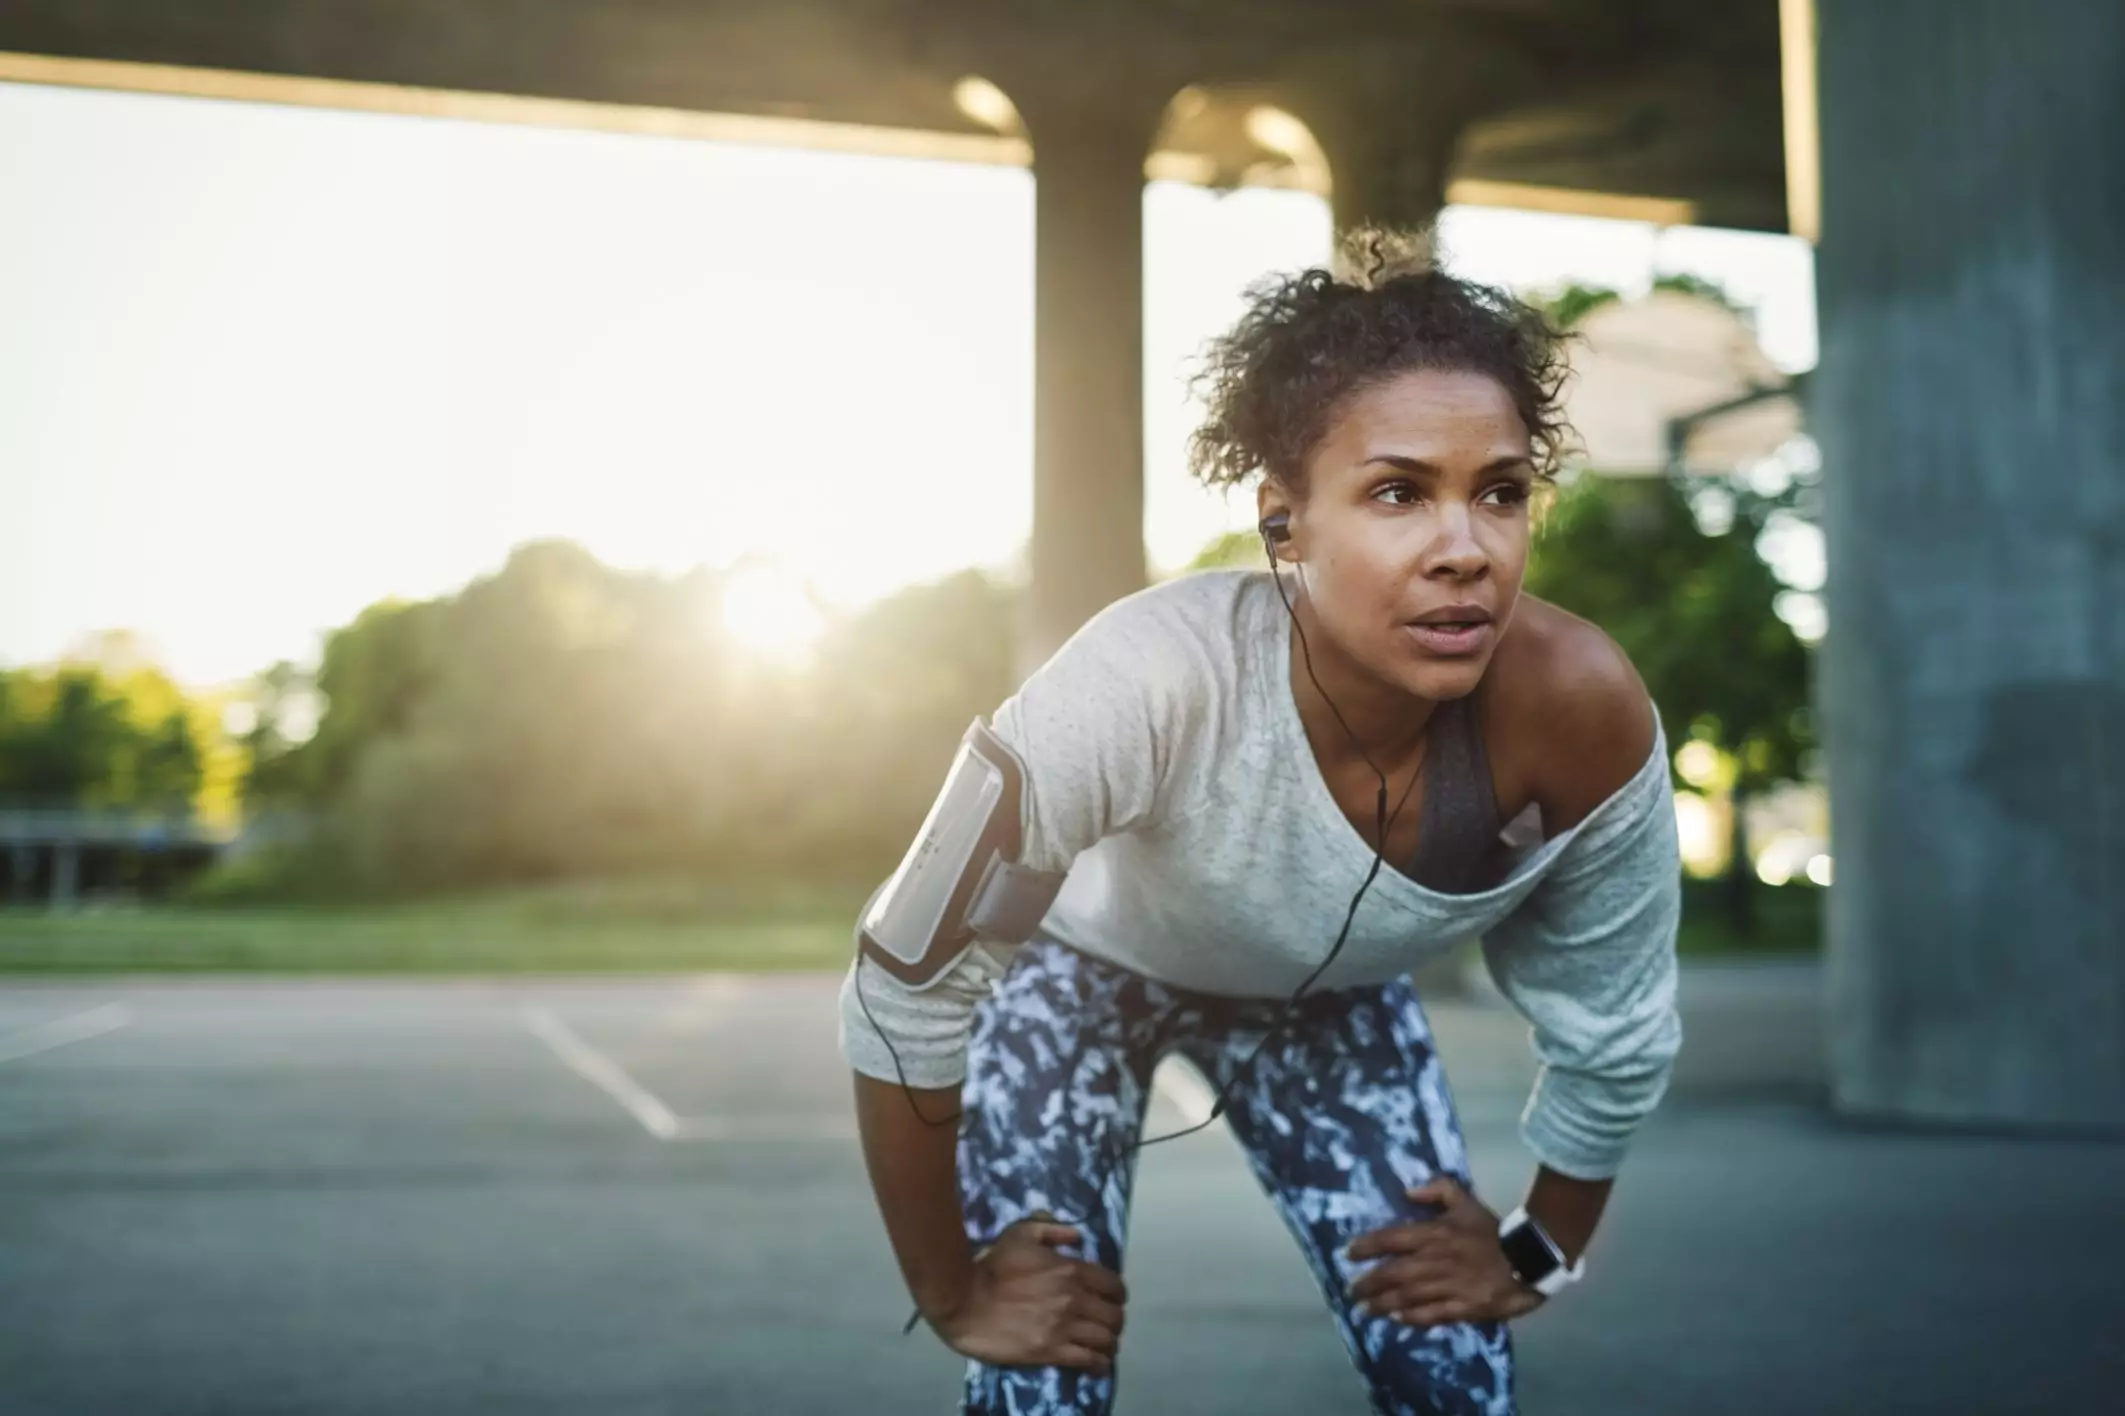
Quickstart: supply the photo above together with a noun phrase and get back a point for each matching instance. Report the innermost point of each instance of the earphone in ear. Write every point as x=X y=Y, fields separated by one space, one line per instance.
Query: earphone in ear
x=1276 y=530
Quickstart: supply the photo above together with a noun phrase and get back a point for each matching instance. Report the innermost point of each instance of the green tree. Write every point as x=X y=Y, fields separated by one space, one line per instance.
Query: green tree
x=374 y=676
x=169 y=766
x=77 y=735
x=75 y=749
x=271 y=771
x=562 y=718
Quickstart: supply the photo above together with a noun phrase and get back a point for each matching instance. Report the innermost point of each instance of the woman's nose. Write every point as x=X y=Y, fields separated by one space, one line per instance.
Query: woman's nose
x=1454 y=548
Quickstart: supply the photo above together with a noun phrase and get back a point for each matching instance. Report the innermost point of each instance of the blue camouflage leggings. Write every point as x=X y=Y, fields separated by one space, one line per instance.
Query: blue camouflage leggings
x=1343 y=1112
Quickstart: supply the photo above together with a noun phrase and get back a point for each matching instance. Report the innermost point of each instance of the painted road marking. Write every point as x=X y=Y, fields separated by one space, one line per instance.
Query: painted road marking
x=601 y=1072
x=658 y=1119
x=75 y=1027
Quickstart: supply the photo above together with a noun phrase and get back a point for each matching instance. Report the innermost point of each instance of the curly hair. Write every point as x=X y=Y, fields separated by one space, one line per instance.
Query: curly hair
x=1309 y=341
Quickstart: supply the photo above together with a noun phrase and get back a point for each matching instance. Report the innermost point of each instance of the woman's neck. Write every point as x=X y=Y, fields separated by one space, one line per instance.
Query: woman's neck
x=1389 y=722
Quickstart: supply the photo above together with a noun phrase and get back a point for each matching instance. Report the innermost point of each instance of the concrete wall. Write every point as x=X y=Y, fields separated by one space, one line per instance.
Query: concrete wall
x=1971 y=411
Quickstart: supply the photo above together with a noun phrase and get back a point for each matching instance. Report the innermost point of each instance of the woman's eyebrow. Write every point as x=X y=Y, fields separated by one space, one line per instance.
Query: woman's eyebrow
x=1418 y=467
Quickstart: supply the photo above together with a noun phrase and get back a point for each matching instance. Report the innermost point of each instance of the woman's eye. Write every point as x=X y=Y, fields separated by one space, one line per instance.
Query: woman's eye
x=1507 y=494
x=1396 y=494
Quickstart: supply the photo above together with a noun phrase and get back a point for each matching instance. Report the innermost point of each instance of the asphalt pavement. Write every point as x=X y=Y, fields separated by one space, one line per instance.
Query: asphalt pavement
x=643 y=1195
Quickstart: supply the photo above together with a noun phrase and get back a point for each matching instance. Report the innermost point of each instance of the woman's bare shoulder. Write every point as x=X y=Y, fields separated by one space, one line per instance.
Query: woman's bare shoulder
x=1566 y=709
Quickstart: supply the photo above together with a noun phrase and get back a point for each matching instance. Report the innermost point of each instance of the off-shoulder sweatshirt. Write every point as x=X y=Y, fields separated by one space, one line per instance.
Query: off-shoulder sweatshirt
x=1168 y=772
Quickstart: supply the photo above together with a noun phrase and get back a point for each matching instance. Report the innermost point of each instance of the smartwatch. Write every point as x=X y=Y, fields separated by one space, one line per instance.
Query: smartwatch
x=1535 y=1258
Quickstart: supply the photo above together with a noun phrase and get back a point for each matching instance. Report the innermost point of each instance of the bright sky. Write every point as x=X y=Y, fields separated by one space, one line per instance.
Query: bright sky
x=261 y=366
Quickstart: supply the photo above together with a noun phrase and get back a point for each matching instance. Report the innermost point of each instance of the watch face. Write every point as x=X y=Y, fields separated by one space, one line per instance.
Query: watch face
x=1529 y=1253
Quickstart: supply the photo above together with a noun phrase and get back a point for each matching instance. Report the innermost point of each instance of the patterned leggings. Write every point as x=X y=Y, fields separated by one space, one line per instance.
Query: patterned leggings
x=1342 y=1113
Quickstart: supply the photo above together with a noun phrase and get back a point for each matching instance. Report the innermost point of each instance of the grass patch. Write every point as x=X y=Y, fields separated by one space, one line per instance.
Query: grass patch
x=626 y=926
x=652 y=926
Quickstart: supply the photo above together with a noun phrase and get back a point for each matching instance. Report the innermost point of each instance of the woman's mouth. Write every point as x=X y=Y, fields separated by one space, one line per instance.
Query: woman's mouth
x=1455 y=632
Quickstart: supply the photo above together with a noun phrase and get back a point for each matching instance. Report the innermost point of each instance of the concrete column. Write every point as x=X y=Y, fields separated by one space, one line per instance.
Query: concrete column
x=1088 y=403
x=22 y=868
x=1969 y=408
x=1389 y=176
x=1390 y=119
x=66 y=875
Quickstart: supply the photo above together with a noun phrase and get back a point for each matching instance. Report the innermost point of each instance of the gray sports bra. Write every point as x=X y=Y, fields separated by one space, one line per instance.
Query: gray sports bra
x=1458 y=851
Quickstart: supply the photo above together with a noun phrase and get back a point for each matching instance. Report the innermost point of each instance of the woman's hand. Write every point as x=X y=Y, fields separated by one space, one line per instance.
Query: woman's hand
x=1029 y=1306
x=1444 y=1270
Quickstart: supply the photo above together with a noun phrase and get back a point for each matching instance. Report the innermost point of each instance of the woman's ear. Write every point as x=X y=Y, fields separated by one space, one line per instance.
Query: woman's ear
x=1273 y=520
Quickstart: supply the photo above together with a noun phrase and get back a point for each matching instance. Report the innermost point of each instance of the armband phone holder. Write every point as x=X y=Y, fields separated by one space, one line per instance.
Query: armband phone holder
x=960 y=881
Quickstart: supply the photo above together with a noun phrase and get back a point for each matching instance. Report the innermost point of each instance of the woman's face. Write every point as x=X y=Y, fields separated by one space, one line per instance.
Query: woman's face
x=1413 y=528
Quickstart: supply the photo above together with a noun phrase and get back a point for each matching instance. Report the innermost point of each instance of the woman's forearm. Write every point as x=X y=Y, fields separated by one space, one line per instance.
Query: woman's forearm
x=914 y=1173
x=1567 y=1209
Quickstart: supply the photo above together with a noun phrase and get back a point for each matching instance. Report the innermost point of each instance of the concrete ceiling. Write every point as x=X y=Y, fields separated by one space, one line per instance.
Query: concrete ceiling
x=1676 y=99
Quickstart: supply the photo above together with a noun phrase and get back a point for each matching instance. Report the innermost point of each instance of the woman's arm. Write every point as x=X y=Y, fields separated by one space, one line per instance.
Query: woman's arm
x=1589 y=960
x=1092 y=730
x=910 y=1158
x=1450 y=1268
x=1020 y=1303
x=1568 y=1209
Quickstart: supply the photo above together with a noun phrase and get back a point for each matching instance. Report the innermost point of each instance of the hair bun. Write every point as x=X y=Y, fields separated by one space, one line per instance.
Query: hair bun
x=1369 y=256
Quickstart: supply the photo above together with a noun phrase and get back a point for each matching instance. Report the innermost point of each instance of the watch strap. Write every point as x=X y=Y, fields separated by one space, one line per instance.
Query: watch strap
x=1561 y=1276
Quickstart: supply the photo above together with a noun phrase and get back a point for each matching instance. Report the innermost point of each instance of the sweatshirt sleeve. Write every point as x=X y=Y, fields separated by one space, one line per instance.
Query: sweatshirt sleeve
x=1093 y=728
x=1589 y=961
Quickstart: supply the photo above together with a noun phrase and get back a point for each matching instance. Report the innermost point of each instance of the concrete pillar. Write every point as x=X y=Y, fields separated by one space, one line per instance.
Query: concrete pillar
x=1389 y=119
x=1389 y=176
x=22 y=869
x=66 y=875
x=1969 y=409
x=1088 y=402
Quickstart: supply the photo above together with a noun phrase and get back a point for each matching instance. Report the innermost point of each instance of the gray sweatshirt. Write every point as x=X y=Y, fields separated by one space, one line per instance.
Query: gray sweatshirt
x=1168 y=772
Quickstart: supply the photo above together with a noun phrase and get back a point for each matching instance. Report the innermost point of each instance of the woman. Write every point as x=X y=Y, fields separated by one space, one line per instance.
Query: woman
x=1212 y=760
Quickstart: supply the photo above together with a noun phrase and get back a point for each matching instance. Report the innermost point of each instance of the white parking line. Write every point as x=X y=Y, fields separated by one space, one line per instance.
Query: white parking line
x=75 y=1027
x=601 y=1072
x=658 y=1119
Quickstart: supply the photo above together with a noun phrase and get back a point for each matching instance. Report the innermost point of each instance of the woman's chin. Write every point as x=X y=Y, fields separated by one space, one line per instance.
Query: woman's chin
x=1440 y=681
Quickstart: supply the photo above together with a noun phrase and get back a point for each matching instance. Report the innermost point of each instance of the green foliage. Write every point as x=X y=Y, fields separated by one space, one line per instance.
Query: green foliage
x=76 y=735
x=564 y=719
x=271 y=768
x=168 y=763
x=1573 y=303
x=1233 y=550
x=1567 y=307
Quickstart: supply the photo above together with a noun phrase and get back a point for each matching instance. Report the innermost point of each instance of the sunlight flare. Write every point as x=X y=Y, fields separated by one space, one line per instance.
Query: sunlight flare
x=769 y=613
